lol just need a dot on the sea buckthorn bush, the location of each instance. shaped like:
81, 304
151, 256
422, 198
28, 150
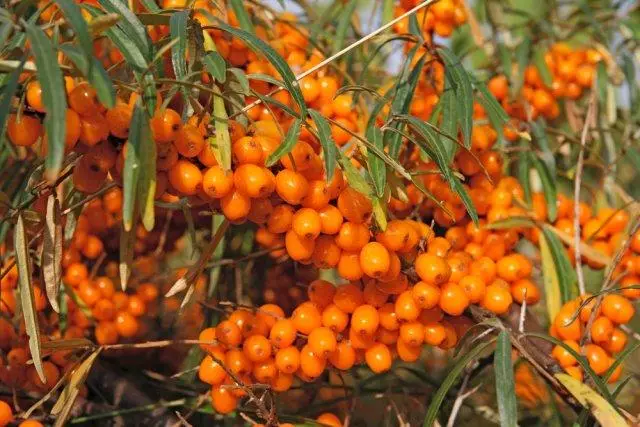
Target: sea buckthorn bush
291, 213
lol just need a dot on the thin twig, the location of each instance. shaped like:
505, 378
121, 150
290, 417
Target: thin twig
588, 121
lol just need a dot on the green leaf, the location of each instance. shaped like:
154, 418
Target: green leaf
387, 11
449, 124
53, 97
505, 383
523, 51
430, 142
73, 15
511, 222
541, 65
558, 273
457, 186
215, 65
401, 103
131, 52
241, 78
449, 381
550, 279
602, 410
132, 166
548, 186
276, 60
375, 164
601, 81
94, 72
9, 87
461, 82
329, 148
178, 30
505, 59
353, 176
290, 140
151, 6
27, 303
131, 26
221, 141
540, 137
241, 14
51, 259
143, 144
497, 116
523, 166
344, 22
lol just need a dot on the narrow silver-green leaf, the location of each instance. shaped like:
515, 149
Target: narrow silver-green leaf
375, 164
461, 83
53, 96
505, 383
27, 303
275, 59
290, 140
238, 7
353, 176
541, 65
132, 166
344, 23
523, 51
449, 124
142, 142
215, 65
329, 148
51, 259
130, 25
73, 15
178, 30
449, 381
94, 72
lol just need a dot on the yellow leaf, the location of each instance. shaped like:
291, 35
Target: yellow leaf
598, 405
550, 279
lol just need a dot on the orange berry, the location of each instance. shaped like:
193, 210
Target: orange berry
453, 299
322, 341
165, 126
288, 360
306, 317
406, 307
378, 358
564, 358
306, 223
185, 177
223, 400
210, 371
311, 364
229, 333
354, 206
344, 357
235, 206
348, 297
374, 260
598, 359
365, 320
432, 269
601, 330
25, 131
617, 341
257, 348
617, 308
497, 299
434, 333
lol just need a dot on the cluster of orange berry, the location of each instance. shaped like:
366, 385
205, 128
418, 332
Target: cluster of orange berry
604, 232
572, 71
440, 18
